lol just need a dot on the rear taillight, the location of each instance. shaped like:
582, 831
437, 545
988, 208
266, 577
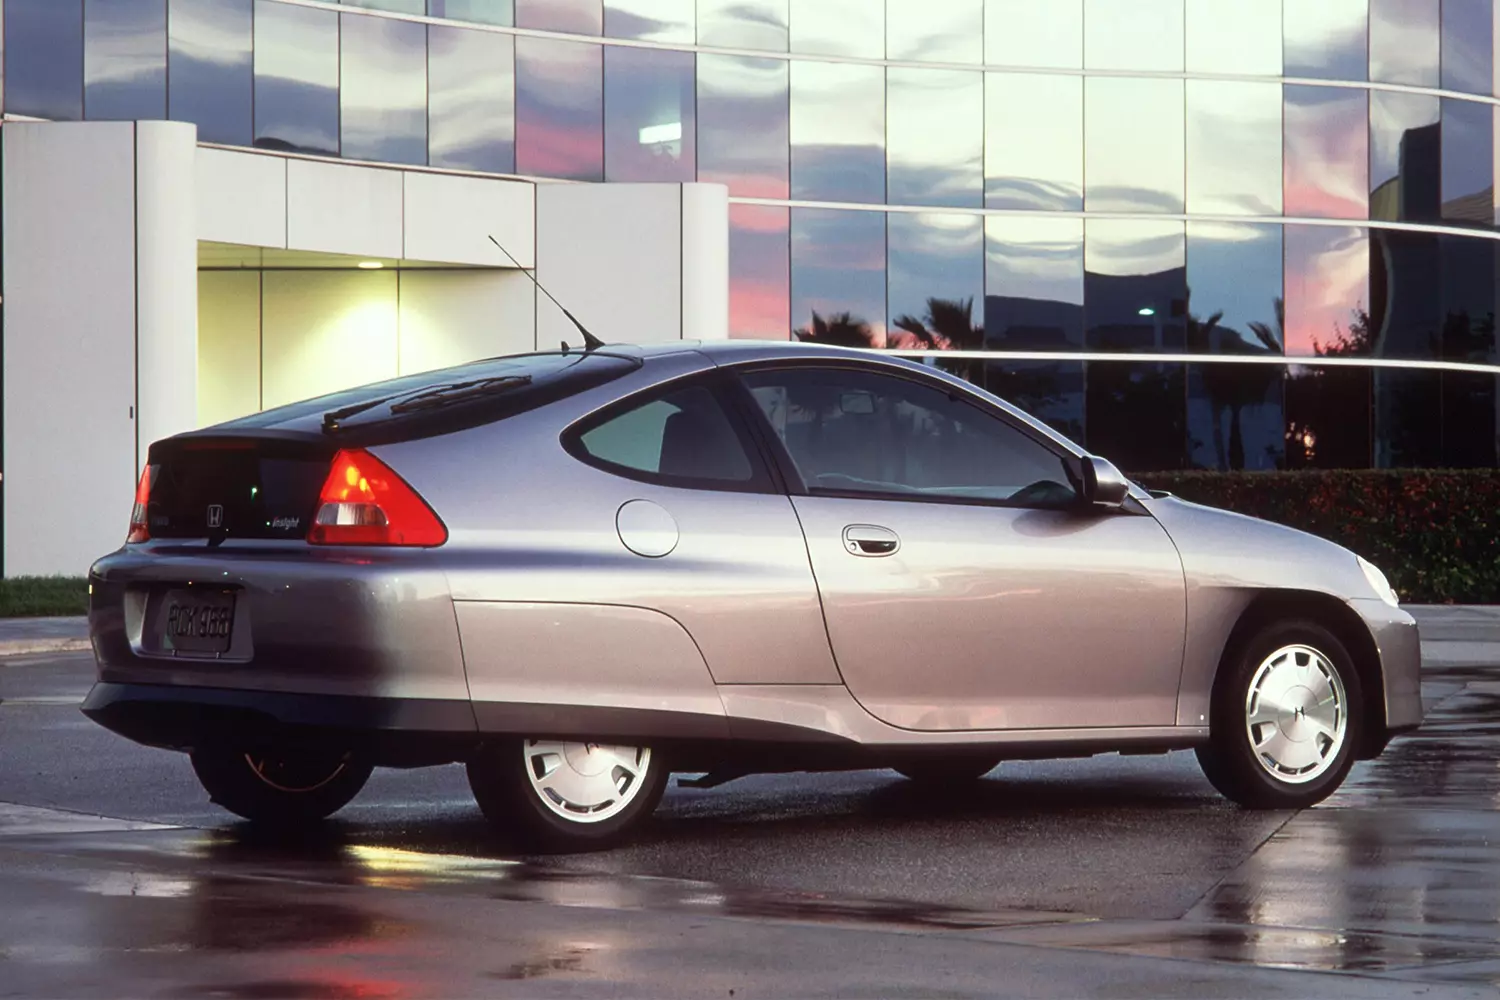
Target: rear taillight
364, 503
140, 529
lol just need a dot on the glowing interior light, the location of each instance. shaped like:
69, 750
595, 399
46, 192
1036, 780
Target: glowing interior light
653, 134
370, 265
1146, 311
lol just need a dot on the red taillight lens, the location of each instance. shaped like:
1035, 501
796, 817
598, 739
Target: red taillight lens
140, 529
364, 503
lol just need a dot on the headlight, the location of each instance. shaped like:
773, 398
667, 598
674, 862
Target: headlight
1379, 582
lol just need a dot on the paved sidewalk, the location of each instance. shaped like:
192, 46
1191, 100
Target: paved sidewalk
43, 635
1452, 635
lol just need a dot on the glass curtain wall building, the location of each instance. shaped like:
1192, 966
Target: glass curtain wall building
1219, 233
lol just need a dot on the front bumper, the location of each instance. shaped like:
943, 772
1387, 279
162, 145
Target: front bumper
1399, 645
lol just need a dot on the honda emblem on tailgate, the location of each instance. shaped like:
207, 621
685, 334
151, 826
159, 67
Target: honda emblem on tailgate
215, 515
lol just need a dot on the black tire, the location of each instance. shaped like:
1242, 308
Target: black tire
955, 769
282, 788
1230, 761
515, 808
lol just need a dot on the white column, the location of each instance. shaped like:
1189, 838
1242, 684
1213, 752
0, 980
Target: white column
705, 262
166, 280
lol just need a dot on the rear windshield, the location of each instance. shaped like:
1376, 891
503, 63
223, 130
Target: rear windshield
450, 398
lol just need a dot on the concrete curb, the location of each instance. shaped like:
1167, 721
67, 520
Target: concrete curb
24, 647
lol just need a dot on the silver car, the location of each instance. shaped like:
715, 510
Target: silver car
576, 572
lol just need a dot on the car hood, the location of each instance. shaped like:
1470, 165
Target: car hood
1225, 549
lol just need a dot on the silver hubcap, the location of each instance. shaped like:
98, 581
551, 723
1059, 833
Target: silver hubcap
585, 782
1296, 714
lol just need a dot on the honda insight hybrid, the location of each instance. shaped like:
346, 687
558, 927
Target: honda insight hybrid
577, 572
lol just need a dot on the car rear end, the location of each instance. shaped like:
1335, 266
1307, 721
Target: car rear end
275, 580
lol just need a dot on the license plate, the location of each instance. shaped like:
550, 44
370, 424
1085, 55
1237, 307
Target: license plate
197, 621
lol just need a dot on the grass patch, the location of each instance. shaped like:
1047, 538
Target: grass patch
43, 596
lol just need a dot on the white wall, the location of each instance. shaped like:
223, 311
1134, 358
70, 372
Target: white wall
272, 337
452, 317
228, 345
636, 263
325, 330
69, 195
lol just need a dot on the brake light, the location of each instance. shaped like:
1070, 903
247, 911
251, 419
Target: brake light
140, 529
365, 503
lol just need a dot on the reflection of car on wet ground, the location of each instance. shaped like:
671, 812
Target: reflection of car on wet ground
577, 571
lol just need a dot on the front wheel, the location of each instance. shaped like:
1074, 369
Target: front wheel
554, 795
1284, 719
280, 787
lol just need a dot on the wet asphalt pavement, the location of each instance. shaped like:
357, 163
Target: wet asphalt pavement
1106, 877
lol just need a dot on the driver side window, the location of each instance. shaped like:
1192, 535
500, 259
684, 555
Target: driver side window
852, 432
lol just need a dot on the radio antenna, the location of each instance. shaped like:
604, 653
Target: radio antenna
590, 342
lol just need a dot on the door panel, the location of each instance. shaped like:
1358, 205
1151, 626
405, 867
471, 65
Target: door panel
1001, 618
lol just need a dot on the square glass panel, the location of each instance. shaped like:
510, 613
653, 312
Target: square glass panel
1404, 42
934, 137
1235, 416
1326, 39
1135, 285
1234, 36
1033, 283
838, 277
1033, 141
1137, 414
935, 30
935, 282
670, 21
760, 291
838, 132
477, 11
1468, 45
1328, 418
743, 125
211, 62
1405, 169
1051, 391
581, 17
44, 59
471, 83
1234, 274
650, 133
1408, 419
838, 28
1042, 33
1468, 158
296, 78
743, 24
1327, 289
1233, 147
124, 59
559, 109
1134, 156
1406, 294
1327, 152
383, 92
1133, 34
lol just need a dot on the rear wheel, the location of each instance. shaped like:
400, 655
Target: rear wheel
281, 787
555, 795
957, 769
1285, 718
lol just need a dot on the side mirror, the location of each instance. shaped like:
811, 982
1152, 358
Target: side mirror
1103, 484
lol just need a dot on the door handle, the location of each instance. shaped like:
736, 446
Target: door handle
870, 540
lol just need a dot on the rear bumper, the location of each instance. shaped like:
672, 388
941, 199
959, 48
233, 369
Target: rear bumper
393, 731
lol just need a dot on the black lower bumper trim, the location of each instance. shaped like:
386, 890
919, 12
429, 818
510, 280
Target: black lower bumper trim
185, 717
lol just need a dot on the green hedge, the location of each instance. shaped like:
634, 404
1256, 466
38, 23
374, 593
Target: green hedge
43, 596
1435, 533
